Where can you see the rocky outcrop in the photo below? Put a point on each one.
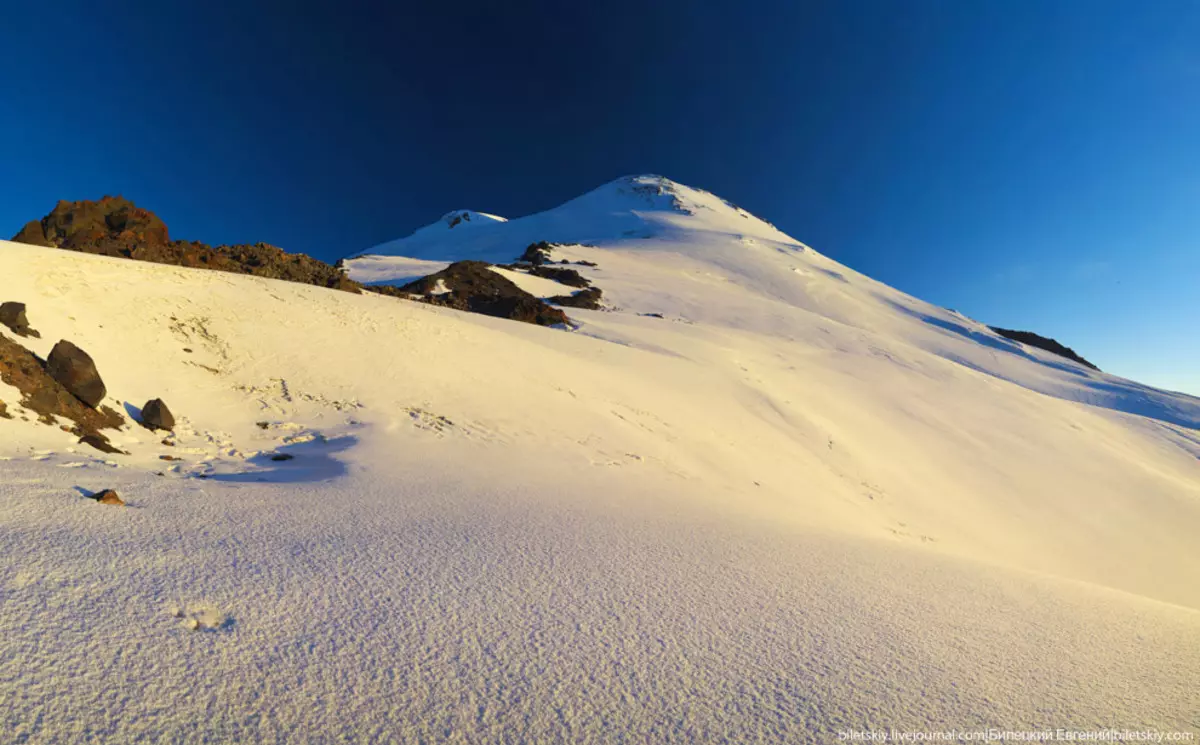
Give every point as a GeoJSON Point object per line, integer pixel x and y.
{"type": "Point", "coordinates": [474, 287]}
{"type": "Point", "coordinates": [1042, 342]}
{"type": "Point", "coordinates": [568, 277]}
{"type": "Point", "coordinates": [588, 299]}
{"type": "Point", "coordinates": [156, 415]}
{"type": "Point", "coordinates": [114, 226]}
{"type": "Point", "coordinates": [537, 253]}
{"type": "Point", "coordinates": [77, 225]}
{"type": "Point", "coordinates": [75, 370]}
{"type": "Point", "coordinates": [49, 399]}
{"type": "Point", "coordinates": [33, 234]}
{"type": "Point", "coordinates": [109, 496]}
{"type": "Point", "coordinates": [13, 316]}
{"type": "Point", "coordinates": [101, 443]}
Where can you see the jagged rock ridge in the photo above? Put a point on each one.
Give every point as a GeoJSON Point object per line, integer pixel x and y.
{"type": "Point", "coordinates": [115, 226]}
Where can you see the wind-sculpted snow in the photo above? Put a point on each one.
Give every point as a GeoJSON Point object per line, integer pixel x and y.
{"type": "Point", "coordinates": [757, 497]}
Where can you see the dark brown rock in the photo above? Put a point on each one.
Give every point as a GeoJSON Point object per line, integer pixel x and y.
{"type": "Point", "coordinates": [109, 496]}
{"type": "Point", "coordinates": [46, 397]}
{"type": "Point", "coordinates": [114, 226]}
{"type": "Point", "coordinates": [473, 286]}
{"type": "Point", "coordinates": [588, 299]}
{"type": "Point", "coordinates": [75, 370]}
{"type": "Point", "coordinates": [33, 234]}
{"type": "Point", "coordinates": [537, 253]}
{"type": "Point", "coordinates": [156, 415]}
{"type": "Point", "coordinates": [12, 315]}
{"type": "Point", "coordinates": [101, 443]}
{"type": "Point", "coordinates": [568, 277]}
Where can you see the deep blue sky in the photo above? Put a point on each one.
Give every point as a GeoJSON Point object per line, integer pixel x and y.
{"type": "Point", "coordinates": [1032, 163]}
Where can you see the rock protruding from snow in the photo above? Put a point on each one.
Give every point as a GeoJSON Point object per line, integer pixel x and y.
{"type": "Point", "coordinates": [77, 225]}
{"type": "Point", "coordinates": [536, 253]}
{"type": "Point", "coordinates": [562, 275]}
{"type": "Point", "coordinates": [75, 370]}
{"type": "Point", "coordinates": [110, 497]}
{"type": "Point", "coordinates": [46, 397]}
{"type": "Point", "coordinates": [1043, 342]}
{"type": "Point", "coordinates": [588, 299]}
{"type": "Point", "coordinates": [156, 415]}
{"type": "Point", "coordinates": [13, 316]}
{"type": "Point", "coordinates": [114, 226]}
{"type": "Point", "coordinates": [101, 443]}
{"type": "Point", "coordinates": [474, 287]}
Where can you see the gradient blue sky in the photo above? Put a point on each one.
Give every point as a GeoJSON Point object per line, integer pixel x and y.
{"type": "Point", "coordinates": [1032, 163]}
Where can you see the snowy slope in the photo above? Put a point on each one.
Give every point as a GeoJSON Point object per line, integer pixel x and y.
{"type": "Point", "coordinates": [796, 503]}
{"type": "Point", "coordinates": [628, 208]}
{"type": "Point", "coordinates": [646, 232]}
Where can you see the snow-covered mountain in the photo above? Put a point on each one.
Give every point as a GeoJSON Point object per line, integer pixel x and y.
{"type": "Point", "coordinates": [756, 497]}
{"type": "Point", "coordinates": [645, 233]}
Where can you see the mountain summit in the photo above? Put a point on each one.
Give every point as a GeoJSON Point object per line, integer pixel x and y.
{"type": "Point", "coordinates": [630, 207]}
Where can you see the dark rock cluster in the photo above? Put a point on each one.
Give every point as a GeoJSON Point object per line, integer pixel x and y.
{"type": "Point", "coordinates": [537, 253]}
{"type": "Point", "coordinates": [114, 226]}
{"type": "Point", "coordinates": [569, 277]}
{"type": "Point", "coordinates": [74, 369]}
{"type": "Point", "coordinates": [13, 316]}
{"type": "Point", "coordinates": [66, 385]}
{"type": "Point", "coordinates": [49, 390]}
{"type": "Point", "coordinates": [1042, 342]}
{"type": "Point", "coordinates": [473, 286]}
{"type": "Point", "coordinates": [588, 299]}
{"type": "Point", "coordinates": [536, 260]}
{"type": "Point", "coordinates": [110, 497]}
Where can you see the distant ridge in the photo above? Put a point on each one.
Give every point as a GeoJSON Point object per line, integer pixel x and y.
{"type": "Point", "coordinates": [1042, 342]}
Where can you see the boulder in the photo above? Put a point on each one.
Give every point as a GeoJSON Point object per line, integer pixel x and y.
{"type": "Point", "coordinates": [74, 369]}
{"type": "Point", "coordinates": [13, 316]}
{"type": "Point", "coordinates": [108, 496]}
{"type": "Point", "coordinates": [156, 415]}
{"type": "Point", "coordinates": [101, 443]}
{"type": "Point", "coordinates": [536, 253]}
